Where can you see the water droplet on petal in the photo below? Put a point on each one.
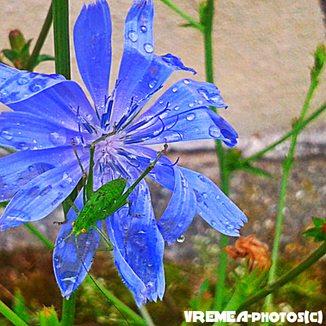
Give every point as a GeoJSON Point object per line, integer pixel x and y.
{"type": "Point", "coordinates": [132, 35]}
{"type": "Point", "coordinates": [201, 178]}
{"type": "Point", "coordinates": [213, 223]}
{"type": "Point", "coordinates": [181, 239]}
{"type": "Point", "coordinates": [6, 134]}
{"type": "Point", "coordinates": [186, 81]}
{"type": "Point", "coordinates": [33, 191]}
{"type": "Point", "coordinates": [191, 105]}
{"type": "Point", "coordinates": [22, 81]}
{"type": "Point", "coordinates": [148, 47]}
{"type": "Point", "coordinates": [57, 138]}
{"type": "Point", "coordinates": [175, 136]}
{"type": "Point", "coordinates": [22, 146]}
{"type": "Point", "coordinates": [45, 190]}
{"type": "Point", "coordinates": [35, 87]}
{"type": "Point", "coordinates": [31, 168]}
{"type": "Point", "coordinates": [229, 227]}
{"type": "Point", "coordinates": [177, 108]}
{"type": "Point", "coordinates": [191, 116]}
{"type": "Point", "coordinates": [152, 83]}
{"type": "Point", "coordinates": [217, 197]}
{"type": "Point", "coordinates": [204, 195]}
{"type": "Point", "coordinates": [174, 89]}
{"type": "Point", "coordinates": [143, 28]}
{"type": "Point", "coordinates": [214, 131]}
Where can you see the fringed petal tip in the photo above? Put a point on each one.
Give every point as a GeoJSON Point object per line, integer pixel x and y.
{"type": "Point", "coordinates": [176, 63]}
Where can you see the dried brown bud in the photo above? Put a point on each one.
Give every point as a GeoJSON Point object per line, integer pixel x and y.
{"type": "Point", "coordinates": [253, 249]}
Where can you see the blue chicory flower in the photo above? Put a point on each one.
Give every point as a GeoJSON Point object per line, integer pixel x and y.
{"type": "Point", "coordinates": [49, 111]}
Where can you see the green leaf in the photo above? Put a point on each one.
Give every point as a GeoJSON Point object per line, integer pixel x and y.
{"type": "Point", "coordinates": [257, 171]}
{"type": "Point", "coordinates": [4, 204]}
{"type": "Point", "coordinates": [318, 222]}
{"type": "Point", "coordinates": [48, 317]}
{"type": "Point", "coordinates": [20, 308]}
{"type": "Point", "coordinates": [11, 55]}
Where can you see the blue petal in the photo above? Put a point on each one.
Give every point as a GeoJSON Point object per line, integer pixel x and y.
{"type": "Point", "coordinates": [181, 114]}
{"type": "Point", "coordinates": [184, 95]}
{"type": "Point", "coordinates": [41, 196]}
{"type": "Point", "coordinates": [153, 79]}
{"type": "Point", "coordinates": [64, 104]}
{"type": "Point", "coordinates": [22, 131]}
{"type": "Point", "coordinates": [200, 123]}
{"type": "Point", "coordinates": [138, 247]}
{"type": "Point", "coordinates": [24, 84]}
{"type": "Point", "coordinates": [6, 72]}
{"type": "Point", "coordinates": [72, 257]}
{"type": "Point", "coordinates": [214, 206]}
{"type": "Point", "coordinates": [137, 54]}
{"type": "Point", "coordinates": [180, 211]}
{"type": "Point", "coordinates": [18, 169]}
{"type": "Point", "coordinates": [92, 39]}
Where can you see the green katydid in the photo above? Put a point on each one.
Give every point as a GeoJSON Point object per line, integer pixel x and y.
{"type": "Point", "coordinates": [107, 199]}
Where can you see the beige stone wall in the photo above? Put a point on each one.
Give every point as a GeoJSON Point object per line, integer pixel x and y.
{"type": "Point", "coordinates": [262, 52]}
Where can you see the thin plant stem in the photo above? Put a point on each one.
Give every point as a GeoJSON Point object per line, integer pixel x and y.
{"type": "Point", "coordinates": [237, 302]}
{"type": "Point", "coordinates": [11, 315]}
{"type": "Point", "coordinates": [40, 41]}
{"type": "Point", "coordinates": [288, 277]}
{"type": "Point", "coordinates": [39, 235]}
{"type": "Point", "coordinates": [147, 317]}
{"type": "Point", "coordinates": [287, 167]}
{"type": "Point", "coordinates": [61, 37]}
{"type": "Point", "coordinates": [68, 310]}
{"type": "Point", "coordinates": [207, 21]}
{"type": "Point", "coordinates": [190, 20]}
{"type": "Point", "coordinates": [297, 128]}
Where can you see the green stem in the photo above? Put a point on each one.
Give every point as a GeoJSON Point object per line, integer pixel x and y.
{"type": "Point", "coordinates": [190, 20]}
{"type": "Point", "coordinates": [125, 310]}
{"type": "Point", "coordinates": [61, 37]}
{"type": "Point", "coordinates": [147, 317]}
{"type": "Point", "coordinates": [10, 315]}
{"type": "Point", "coordinates": [207, 21]}
{"type": "Point", "coordinates": [288, 277]}
{"type": "Point", "coordinates": [39, 235]}
{"type": "Point", "coordinates": [287, 166]}
{"type": "Point", "coordinates": [297, 128]}
{"type": "Point", "coordinates": [68, 310]}
{"type": "Point", "coordinates": [40, 41]}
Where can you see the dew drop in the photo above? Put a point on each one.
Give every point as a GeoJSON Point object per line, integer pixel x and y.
{"type": "Point", "coordinates": [35, 87]}
{"type": "Point", "coordinates": [186, 81]}
{"type": "Point", "coordinates": [31, 168]}
{"type": "Point", "coordinates": [6, 135]}
{"type": "Point", "coordinates": [204, 195]}
{"type": "Point", "coordinates": [46, 190]}
{"type": "Point", "coordinates": [152, 83]}
{"type": "Point", "coordinates": [229, 227]}
{"type": "Point", "coordinates": [132, 35]}
{"type": "Point", "coordinates": [201, 178]}
{"type": "Point", "coordinates": [217, 197]}
{"type": "Point", "coordinates": [22, 146]}
{"type": "Point", "coordinates": [174, 89]}
{"type": "Point", "coordinates": [177, 108]}
{"type": "Point", "coordinates": [33, 191]}
{"type": "Point", "coordinates": [213, 223]}
{"type": "Point", "coordinates": [181, 239]}
{"type": "Point", "coordinates": [175, 136]}
{"type": "Point", "coordinates": [213, 97]}
{"type": "Point", "coordinates": [22, 81]}
{"type": "Point", "coordinates": [57, 139]}
{"type": "Point", "coordinates": [148, 47]}
{"type": "Point", "coordinates": [191, 116]}
{"type": "Point", "coordinates": [191, 105]}
{"type": "Point", "coordinates": [143, 28]}
{"type": "Point", "coordinates": [214, 131]}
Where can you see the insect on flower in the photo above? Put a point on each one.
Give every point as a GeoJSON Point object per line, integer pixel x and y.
{"type": "Point", "coordinates": [48, 111]}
